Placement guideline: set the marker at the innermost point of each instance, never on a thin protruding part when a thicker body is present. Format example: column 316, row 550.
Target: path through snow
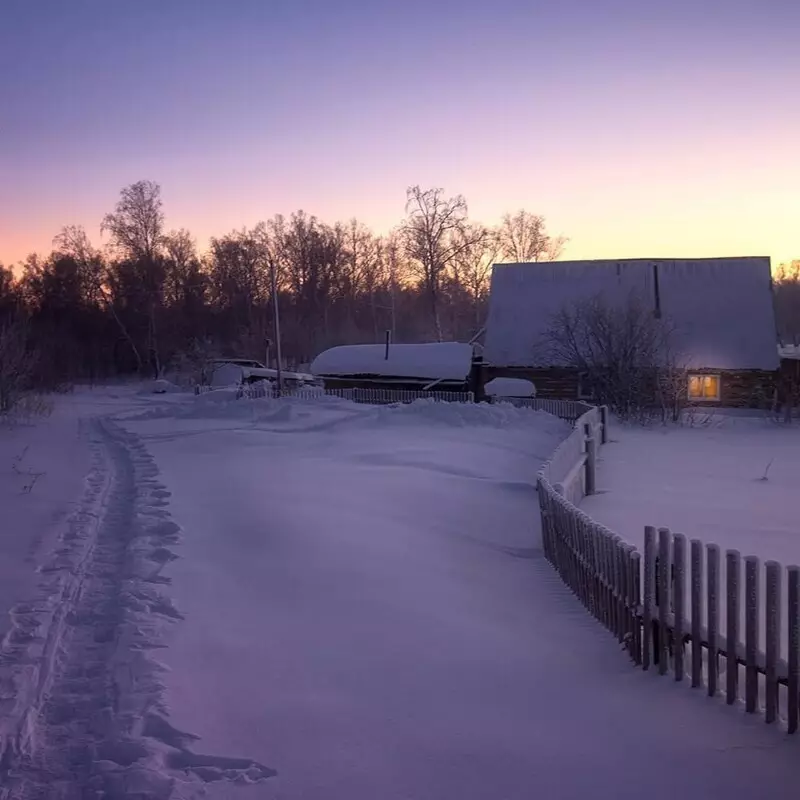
column 80, row 692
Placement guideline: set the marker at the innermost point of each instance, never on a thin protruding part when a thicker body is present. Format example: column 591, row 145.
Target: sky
column 637, row 128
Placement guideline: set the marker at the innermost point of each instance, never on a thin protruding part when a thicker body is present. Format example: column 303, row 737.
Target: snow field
column 317, row 599
column 367, row 614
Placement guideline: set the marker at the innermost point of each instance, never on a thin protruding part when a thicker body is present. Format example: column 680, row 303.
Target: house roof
column 449, row 361
column 720, row 308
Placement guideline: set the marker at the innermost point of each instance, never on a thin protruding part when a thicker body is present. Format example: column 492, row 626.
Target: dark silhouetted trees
column 149, row 301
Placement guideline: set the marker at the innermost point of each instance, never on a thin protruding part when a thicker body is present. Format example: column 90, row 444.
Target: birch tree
column 435, row 233
column 523, row 238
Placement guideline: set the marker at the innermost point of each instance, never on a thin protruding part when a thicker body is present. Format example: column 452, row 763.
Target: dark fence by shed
column 370, row 396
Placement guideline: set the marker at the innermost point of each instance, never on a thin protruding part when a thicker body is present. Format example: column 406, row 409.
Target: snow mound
column 510, row 387
column 468, row 415
column 299, row 414
column 160, row 386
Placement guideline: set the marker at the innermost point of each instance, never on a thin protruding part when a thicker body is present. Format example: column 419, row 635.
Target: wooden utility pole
column 274, row 281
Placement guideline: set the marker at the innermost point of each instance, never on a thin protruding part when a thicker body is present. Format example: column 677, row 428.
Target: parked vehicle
column 235, row 371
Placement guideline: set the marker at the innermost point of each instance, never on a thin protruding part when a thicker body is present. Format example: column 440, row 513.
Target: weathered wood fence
column 734, row 635
column 569, row 410
column 377, row 396
column 705, row 623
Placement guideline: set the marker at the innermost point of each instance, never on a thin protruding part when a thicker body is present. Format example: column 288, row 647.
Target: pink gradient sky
column 636, row 132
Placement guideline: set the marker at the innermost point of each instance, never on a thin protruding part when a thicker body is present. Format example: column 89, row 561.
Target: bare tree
column 625, row 354
column 73, row 242
column 473, row 265
column 137, row 222
column 393, row 273
column 137, row 227
column 787, row 301
column 524, row 238
column 435, row 233
column 360, row 273
column 335, row 284
column 17, row 362
column 182, row 263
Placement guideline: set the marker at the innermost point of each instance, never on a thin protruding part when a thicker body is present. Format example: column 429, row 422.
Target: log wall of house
column 738, row 389
column 788, row 388
column 753, row 388
column 748, row 389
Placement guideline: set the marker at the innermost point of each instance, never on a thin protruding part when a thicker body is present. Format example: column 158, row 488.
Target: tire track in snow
column 80, row 692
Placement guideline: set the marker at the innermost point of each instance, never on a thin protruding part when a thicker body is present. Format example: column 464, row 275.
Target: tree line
column 148, row 301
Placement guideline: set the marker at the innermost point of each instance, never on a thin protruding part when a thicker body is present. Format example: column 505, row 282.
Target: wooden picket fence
column 683, row 623
column 377, row 396
column 683, row 619
column 569, row 410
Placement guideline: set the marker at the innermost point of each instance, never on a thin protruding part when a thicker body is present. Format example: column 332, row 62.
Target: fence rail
column 685, row 611
column 569, row 410
column 705, row 625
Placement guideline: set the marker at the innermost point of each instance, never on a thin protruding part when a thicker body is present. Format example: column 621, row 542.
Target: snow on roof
column 510, row 387
column 721, row 308
column 449, row 361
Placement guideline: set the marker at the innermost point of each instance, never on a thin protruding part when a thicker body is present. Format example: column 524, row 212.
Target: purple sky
column 637, row 128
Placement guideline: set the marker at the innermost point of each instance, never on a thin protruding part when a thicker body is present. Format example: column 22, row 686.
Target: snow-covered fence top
column 662, row 613
column 448, row 361
column 566, row 470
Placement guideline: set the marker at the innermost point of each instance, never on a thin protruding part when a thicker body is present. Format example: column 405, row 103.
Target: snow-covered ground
column 733, row 481
column 285, row 599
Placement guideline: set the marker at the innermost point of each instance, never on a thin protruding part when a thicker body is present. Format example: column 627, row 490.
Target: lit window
column 704, row 387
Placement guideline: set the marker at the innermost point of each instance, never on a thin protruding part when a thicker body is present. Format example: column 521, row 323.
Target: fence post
column 712, row 609
column 604, row 424
column 679, row 601
column 794, row 647
column 773, row 643
column 622, row 590
column 591, row 459
column 751, row 604
column 597, row 535
column 608, row 575
column 583, row 530
column 616, row 585
column 636, row 598
column 733, row 577
column 663, row 589
column 697, row 612
column 649, row 594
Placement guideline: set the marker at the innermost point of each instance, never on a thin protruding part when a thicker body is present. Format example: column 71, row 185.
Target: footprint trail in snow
column 81, row 708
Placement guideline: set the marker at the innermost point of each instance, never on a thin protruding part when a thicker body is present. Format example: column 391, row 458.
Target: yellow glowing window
column 704, row 387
